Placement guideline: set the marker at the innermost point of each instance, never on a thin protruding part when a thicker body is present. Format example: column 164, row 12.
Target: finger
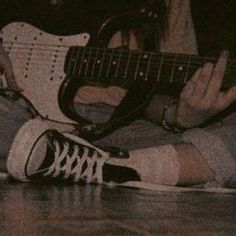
column 12, row 84
column 6, row 65
column 203, row 80
column 189, row 87
column 10, row 78
column 226, row 98
column 217, row 76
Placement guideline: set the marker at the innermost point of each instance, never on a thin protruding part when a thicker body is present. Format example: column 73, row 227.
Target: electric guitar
column 51, row 68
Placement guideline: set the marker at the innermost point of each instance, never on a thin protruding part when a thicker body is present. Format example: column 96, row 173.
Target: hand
column 6, row 66
column 201, row 97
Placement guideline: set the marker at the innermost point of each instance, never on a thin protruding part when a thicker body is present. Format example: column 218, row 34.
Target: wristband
column 166, row 125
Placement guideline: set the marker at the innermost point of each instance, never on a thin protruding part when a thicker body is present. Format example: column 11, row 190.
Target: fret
column 179, row 74
column 71, row 63
column 143, row 66
column 180, row 68
column 160, row 68
column 205, row 60
column 87, row 62
column 118, row 64
column 97, row 63
column 81, row 61
column 196, row 63
column 148, row 67
column 94, row 63
column 137, row 66
column 166, row 68
column 133, row 65
column 115, row 60
column 74, row 60
column 105, row 63
column 109, row 63
column 187, row 70
column 173, row 68
column 101, row 62
column 127, row 64
column 121, row 66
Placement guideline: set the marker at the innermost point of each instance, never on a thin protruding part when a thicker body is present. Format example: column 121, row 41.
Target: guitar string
column 114, row 57
column 110, row 49
column 178, row 80
column 151, row 75
column 118, row 50
column 40, row 59
column 66, row 47
column 154, row 61
column 157, row 57
column 177, row 63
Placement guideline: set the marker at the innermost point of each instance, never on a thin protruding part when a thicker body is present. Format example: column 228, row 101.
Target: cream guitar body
column 38, row 60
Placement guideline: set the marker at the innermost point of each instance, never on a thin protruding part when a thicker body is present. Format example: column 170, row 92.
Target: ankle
column 193, row 168
column 158, row 165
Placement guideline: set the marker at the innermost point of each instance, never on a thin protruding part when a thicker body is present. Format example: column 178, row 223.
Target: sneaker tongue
column 43, row 156
column 49, row 158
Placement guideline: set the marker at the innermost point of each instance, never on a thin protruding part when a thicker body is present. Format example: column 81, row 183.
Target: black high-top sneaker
column 41, row 154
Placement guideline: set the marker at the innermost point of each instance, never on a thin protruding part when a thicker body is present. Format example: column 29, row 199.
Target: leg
column 138, row 134
column 39, row 153
column 55, row 155
column 14, row 112
column 149, row 137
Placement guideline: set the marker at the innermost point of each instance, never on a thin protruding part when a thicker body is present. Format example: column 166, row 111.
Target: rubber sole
column 21, row 147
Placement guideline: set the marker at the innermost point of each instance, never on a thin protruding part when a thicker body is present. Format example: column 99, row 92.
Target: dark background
column 215, row 20
column 66, row 17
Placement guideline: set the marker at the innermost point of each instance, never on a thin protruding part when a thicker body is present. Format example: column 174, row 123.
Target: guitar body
column 38, row 60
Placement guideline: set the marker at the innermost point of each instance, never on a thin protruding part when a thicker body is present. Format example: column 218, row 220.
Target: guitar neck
column 107, row 65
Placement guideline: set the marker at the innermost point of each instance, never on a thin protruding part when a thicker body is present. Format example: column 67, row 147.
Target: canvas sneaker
column 39, row 153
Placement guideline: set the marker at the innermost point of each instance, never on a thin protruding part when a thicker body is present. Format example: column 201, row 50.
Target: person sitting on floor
column 36, row 151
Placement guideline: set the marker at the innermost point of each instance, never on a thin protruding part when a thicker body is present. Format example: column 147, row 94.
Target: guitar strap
column 135, row 101
column 130, row 108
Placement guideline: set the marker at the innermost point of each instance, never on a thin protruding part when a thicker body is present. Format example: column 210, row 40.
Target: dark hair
column 148, row 35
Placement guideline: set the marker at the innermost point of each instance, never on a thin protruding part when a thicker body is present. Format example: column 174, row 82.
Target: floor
column 33, row 209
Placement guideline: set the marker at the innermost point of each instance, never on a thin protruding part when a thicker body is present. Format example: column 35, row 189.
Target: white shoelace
column 93, row 161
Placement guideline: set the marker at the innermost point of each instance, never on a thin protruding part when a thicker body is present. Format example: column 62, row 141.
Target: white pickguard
column 38, row 63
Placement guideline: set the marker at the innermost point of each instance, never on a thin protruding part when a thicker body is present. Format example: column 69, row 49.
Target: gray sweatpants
column 216, row 142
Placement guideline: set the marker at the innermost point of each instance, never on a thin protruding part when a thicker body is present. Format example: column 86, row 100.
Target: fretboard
column 107, row 65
